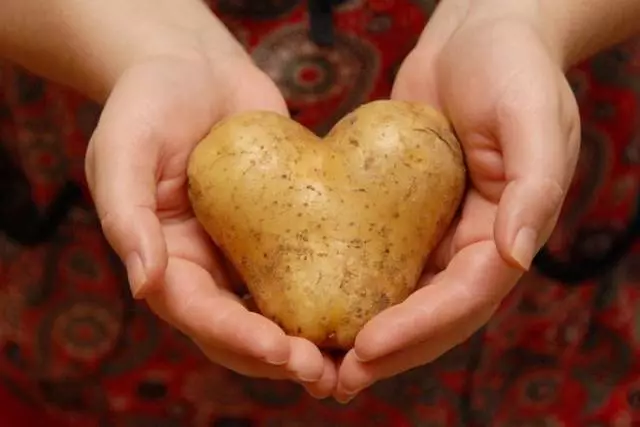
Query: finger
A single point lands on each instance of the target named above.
(251, 367)
(475, 224)
(191, 301)
(326, 385)
(416, 79)
(305, 367)
(527, 212)
(187, 240)
(538, 167)
(261, 95)
(442, 253)
(475, 281)
(355, 376)
(121, 169)
(243, 365)
(306, 363)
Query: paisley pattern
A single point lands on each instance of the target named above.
(76, 350)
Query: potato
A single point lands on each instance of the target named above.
(327, 233)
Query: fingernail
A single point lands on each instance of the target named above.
(346, 398)
(304, 377)
(135, 273)
(524, 247)
(358, 358)
(312, 393)
(306, 380)
(277, 361)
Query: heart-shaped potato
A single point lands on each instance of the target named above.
(326, 233)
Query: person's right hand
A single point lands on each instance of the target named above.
(159, 109)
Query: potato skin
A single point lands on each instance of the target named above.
(327, 233)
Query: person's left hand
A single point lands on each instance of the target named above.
(491, 69)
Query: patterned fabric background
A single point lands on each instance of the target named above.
(76, 350)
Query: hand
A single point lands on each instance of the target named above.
(489, 66)
(136, 163)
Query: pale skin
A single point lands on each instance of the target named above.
(503, 89)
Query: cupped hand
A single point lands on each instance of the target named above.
(490, 67)
(136, 168)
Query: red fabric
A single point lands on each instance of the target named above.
(14, 412)
(75, 350)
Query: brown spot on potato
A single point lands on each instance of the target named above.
(368, 162)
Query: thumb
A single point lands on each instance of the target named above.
(527, 213)
(536, 150)
(121, 166)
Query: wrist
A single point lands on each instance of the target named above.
(89, 45)
(555, 18)
(581, 28)
(547, 18)
(190, 32)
